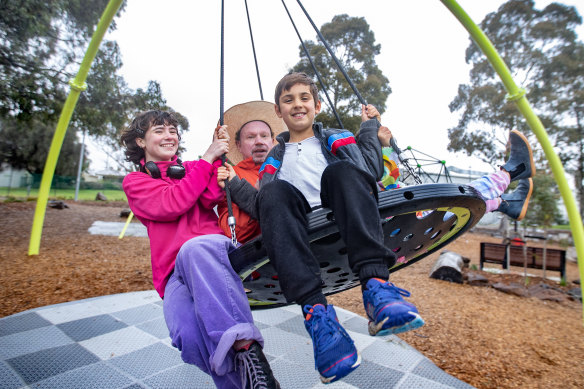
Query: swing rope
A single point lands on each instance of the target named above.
(393, 144)
(320, 80)
(231, 218)
(254, 52)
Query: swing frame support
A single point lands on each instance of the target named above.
(515, 94)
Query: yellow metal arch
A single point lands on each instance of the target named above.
(77, 86)
(516, 94)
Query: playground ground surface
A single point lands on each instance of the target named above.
(484, 337)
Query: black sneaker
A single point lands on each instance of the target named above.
(520, 164)
(515, 204)
(254, 369)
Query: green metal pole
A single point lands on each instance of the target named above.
(517, 95)
(130, 216)
(77, 86)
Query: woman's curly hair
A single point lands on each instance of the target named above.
(141, 123)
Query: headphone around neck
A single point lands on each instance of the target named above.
(174, 171)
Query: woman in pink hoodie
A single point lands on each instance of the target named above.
(205, 306)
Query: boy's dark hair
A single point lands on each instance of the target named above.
(137, 129)
(291, 79)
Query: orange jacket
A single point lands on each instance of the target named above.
(246, 228)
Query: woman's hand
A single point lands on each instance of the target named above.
(219, 146)
(225, 172)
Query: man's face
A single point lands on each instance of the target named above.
(255, 141)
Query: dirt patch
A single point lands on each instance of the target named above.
(482, 336)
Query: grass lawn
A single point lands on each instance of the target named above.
(63, 194)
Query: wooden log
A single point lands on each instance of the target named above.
(448, 267)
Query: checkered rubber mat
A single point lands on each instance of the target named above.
(121, 341)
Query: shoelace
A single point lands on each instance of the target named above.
(326, 329)
(394, 290)
(246, 364)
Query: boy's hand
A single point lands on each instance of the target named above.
(384, 136)
(224, 172)
(369, 112)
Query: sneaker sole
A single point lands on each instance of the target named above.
(519, 134)
(526, 202)
(328, 380)
(376, 329)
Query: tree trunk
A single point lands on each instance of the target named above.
(448, 267)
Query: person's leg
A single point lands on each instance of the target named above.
(491, 187)
(187, 336)
(520, 166)
(351, 195)
(284, 224)
(283, 220)
(206, 309)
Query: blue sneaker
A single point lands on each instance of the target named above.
(520, 164)
(515, 204)
(335, 354)
(388, 312)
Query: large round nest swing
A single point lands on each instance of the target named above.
(416, 221)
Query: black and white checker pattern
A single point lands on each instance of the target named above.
(121, 341)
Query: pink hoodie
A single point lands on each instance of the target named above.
(174, 211)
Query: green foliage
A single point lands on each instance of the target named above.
(41, 46)
(41, 42)
(532, 42)
(26, 145)
(20, 194)
(543, 205)
(354, 46)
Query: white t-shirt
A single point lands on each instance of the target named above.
(302, 166)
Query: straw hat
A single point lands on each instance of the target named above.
(238, 115)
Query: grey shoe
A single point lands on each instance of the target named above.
(515, 204)
(254, 369)
(520, 164)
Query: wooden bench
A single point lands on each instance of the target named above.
(555, 259)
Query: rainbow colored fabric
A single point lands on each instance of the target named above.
(391, 174)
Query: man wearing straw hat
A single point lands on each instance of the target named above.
(252, 127)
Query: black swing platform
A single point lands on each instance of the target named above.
(452, 209)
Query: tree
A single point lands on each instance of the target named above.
(42, 45)
(543, 206)
(27, 147)
(540, 48)
(565, 98)
(354, 45)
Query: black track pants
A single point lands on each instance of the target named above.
(352, 196)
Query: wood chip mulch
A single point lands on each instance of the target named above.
(480, 335)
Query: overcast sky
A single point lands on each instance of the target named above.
(177, 43)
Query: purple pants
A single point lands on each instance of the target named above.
(206, 309)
